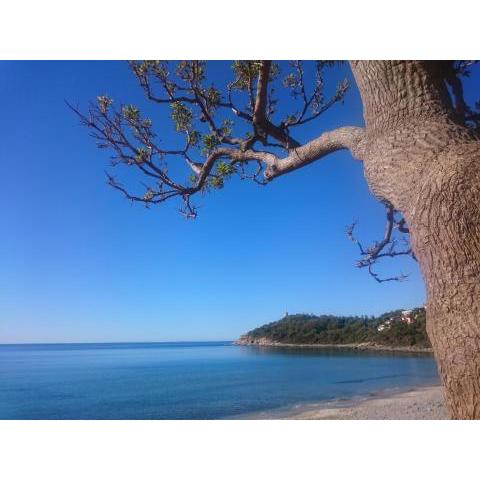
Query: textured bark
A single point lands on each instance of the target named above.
(424, 161)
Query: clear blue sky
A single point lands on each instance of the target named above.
(80, 263)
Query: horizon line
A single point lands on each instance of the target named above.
(114, 342)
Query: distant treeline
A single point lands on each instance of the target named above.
(330, 329)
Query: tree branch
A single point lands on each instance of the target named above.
(348, 138)
(371, 254)
(211, 151)
(262, 124)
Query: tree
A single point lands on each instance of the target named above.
(420, 150)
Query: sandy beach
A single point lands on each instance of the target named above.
(423, 403)
(419, 404)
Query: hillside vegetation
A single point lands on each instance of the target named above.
(330, 329)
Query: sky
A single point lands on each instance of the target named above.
(79, 263)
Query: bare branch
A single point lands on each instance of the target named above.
(383, 248)
(398, 278)
(313, 102)
(339, 139)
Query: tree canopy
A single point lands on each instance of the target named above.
(239, 129)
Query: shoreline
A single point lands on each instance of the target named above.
(417, 403)
(367, 346)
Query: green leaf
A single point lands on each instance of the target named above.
(131, 112)
(181, 116)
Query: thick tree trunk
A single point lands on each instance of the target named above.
(419, 157)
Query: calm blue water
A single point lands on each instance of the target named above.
(204, 380)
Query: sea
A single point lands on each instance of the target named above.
(192, 380)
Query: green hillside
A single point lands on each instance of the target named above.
(331, 329)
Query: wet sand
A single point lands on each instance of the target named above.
(423, 403)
